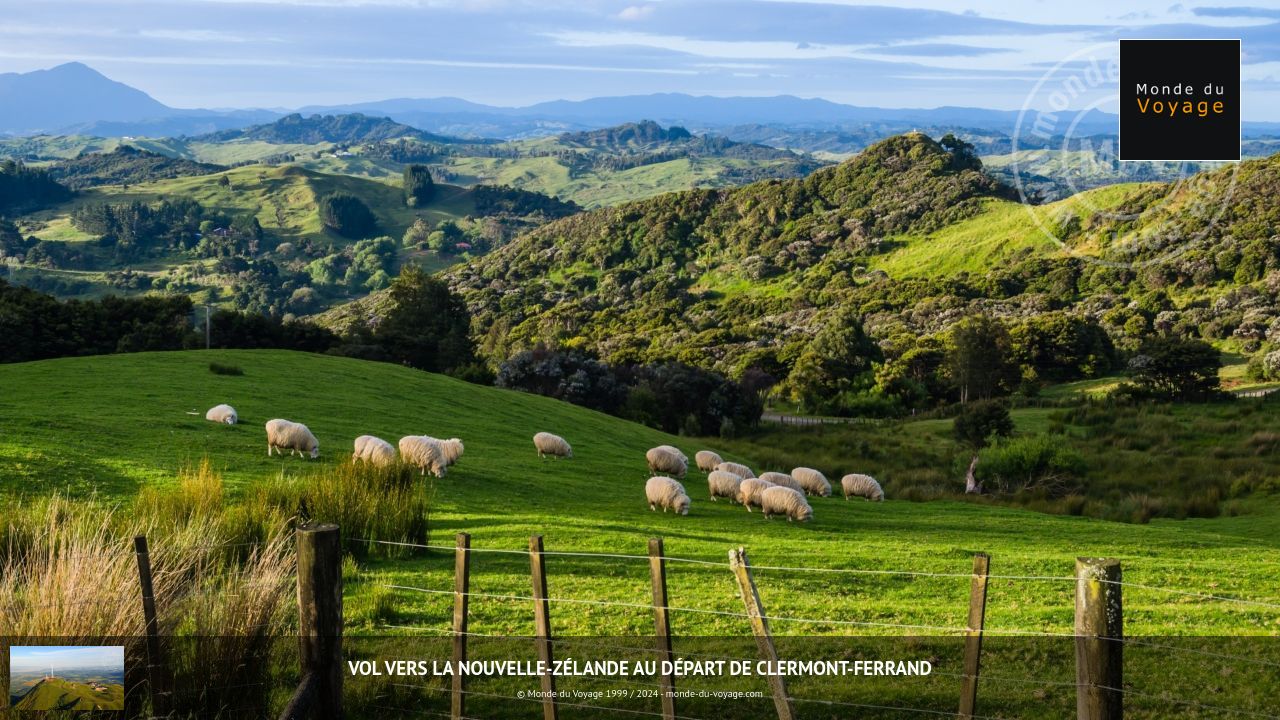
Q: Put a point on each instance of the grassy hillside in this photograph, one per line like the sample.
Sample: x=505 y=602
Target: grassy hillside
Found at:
x=131 y=427
x=59 y=694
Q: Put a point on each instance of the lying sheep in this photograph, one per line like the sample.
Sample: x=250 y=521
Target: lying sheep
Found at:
x=295 y=437
x=785 y=501
x=863 y=486
x=783 y=479
x=707 y=460
x=668 y=494
x=552 y=445
x=424 y=453
x=738 y=469
x=373 y=450
x=723 y=484
x=222 y=414
x=666 y=459
x=749 y=491
x=452 y=450
x=813 y=482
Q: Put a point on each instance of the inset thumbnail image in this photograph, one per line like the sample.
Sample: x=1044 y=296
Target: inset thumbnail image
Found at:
x=66 y=677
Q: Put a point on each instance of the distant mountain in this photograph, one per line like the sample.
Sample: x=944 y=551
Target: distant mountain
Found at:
x=348 y=128
x=185 y=123
x=67 y=95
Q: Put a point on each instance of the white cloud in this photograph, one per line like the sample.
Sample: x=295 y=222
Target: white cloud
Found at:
x=635 y=12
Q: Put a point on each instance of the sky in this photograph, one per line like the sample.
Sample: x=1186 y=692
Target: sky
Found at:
x=28 y=658
x=900 y=53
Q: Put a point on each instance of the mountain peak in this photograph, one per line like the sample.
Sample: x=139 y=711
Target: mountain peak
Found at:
x=69 y=94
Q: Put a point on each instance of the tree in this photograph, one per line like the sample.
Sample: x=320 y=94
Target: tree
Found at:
x=418 y=186
x=839 y=353
x=1174 y=368
x=427 y=326
x=980 y=358
x=347 y=215
x=974 y=427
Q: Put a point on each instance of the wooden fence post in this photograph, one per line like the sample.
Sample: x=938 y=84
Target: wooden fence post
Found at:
x=1099 y=640
x=973 y=635
x=461 y=586
x=542 y=627
x=155 y=662
x=662 y=625
x=760 y=627
x=320 y=616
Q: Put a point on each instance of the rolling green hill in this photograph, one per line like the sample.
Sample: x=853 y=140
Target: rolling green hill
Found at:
x=59 y=694
x=141 y=419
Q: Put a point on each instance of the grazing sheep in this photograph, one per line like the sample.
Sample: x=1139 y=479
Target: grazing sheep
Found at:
x=666 y=459
x=552 y=445
x=373 y=450
x=749 y=492
x=813 y=482
x=295 y=437
x=668 y=494
x=783 y=479
x=222 y=414
x=785 y=501
x=452 y=450
x=424 y=453
x=738 y=469
x=707 y=460
x=723 y=484
x=863 y=486
x=677 y=451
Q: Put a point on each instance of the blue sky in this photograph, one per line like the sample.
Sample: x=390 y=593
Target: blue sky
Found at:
x=28 y=658
x=909 y=53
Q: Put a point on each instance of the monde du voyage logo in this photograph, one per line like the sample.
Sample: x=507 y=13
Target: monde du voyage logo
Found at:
x=1179 y=100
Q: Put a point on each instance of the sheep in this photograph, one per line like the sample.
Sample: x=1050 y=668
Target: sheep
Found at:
x=295 y=437
x=785 y=501
x=552 y=445
x=424 y=453
x=663 y=459
x=738 y=469
x=222 y=414
x=676 y=451
x=783 y=479
x=749 y=491
x=813 y=482
x=723 y=484
x=666 y=493
x=373 y=450
x=707 y=460
x=863 y=486
x=452 y=450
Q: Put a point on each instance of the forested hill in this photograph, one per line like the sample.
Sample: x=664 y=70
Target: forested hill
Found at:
x=127 y=165
x=902 y=242
x=349 y=128
x=658 y=143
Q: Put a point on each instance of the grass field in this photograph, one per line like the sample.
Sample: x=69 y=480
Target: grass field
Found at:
x=106 y=429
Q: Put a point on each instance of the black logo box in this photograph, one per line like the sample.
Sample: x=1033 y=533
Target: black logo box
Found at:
x=1180 y=65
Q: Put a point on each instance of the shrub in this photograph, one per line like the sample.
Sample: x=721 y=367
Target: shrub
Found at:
x=1033 y=463
x=347 y=215
x=220 y=369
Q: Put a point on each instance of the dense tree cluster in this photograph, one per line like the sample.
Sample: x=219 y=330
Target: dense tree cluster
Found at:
x=418 y=186
x=24 y=189
x=126 y=165
x=347 y=215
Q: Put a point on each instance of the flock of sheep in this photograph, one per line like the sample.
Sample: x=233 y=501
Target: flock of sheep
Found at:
x=775 y=493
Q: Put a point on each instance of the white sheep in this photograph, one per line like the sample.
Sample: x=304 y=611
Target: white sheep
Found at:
x=723 y=484
x=424 y=453
x=738 y=469
x=373 y=450
x=749 y=491
x=707 y=460
x=222 y=414
x=666 y=459
x=813 y=482
x=863 y=486
x=295 y=437
x=783 y=479
x=677 y=451
x=452 y=450
x=553 y=445
x=785 y=501
x=666 y=493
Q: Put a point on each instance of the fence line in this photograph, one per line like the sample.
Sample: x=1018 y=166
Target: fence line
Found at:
x=900 y=708
x=549 y=553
